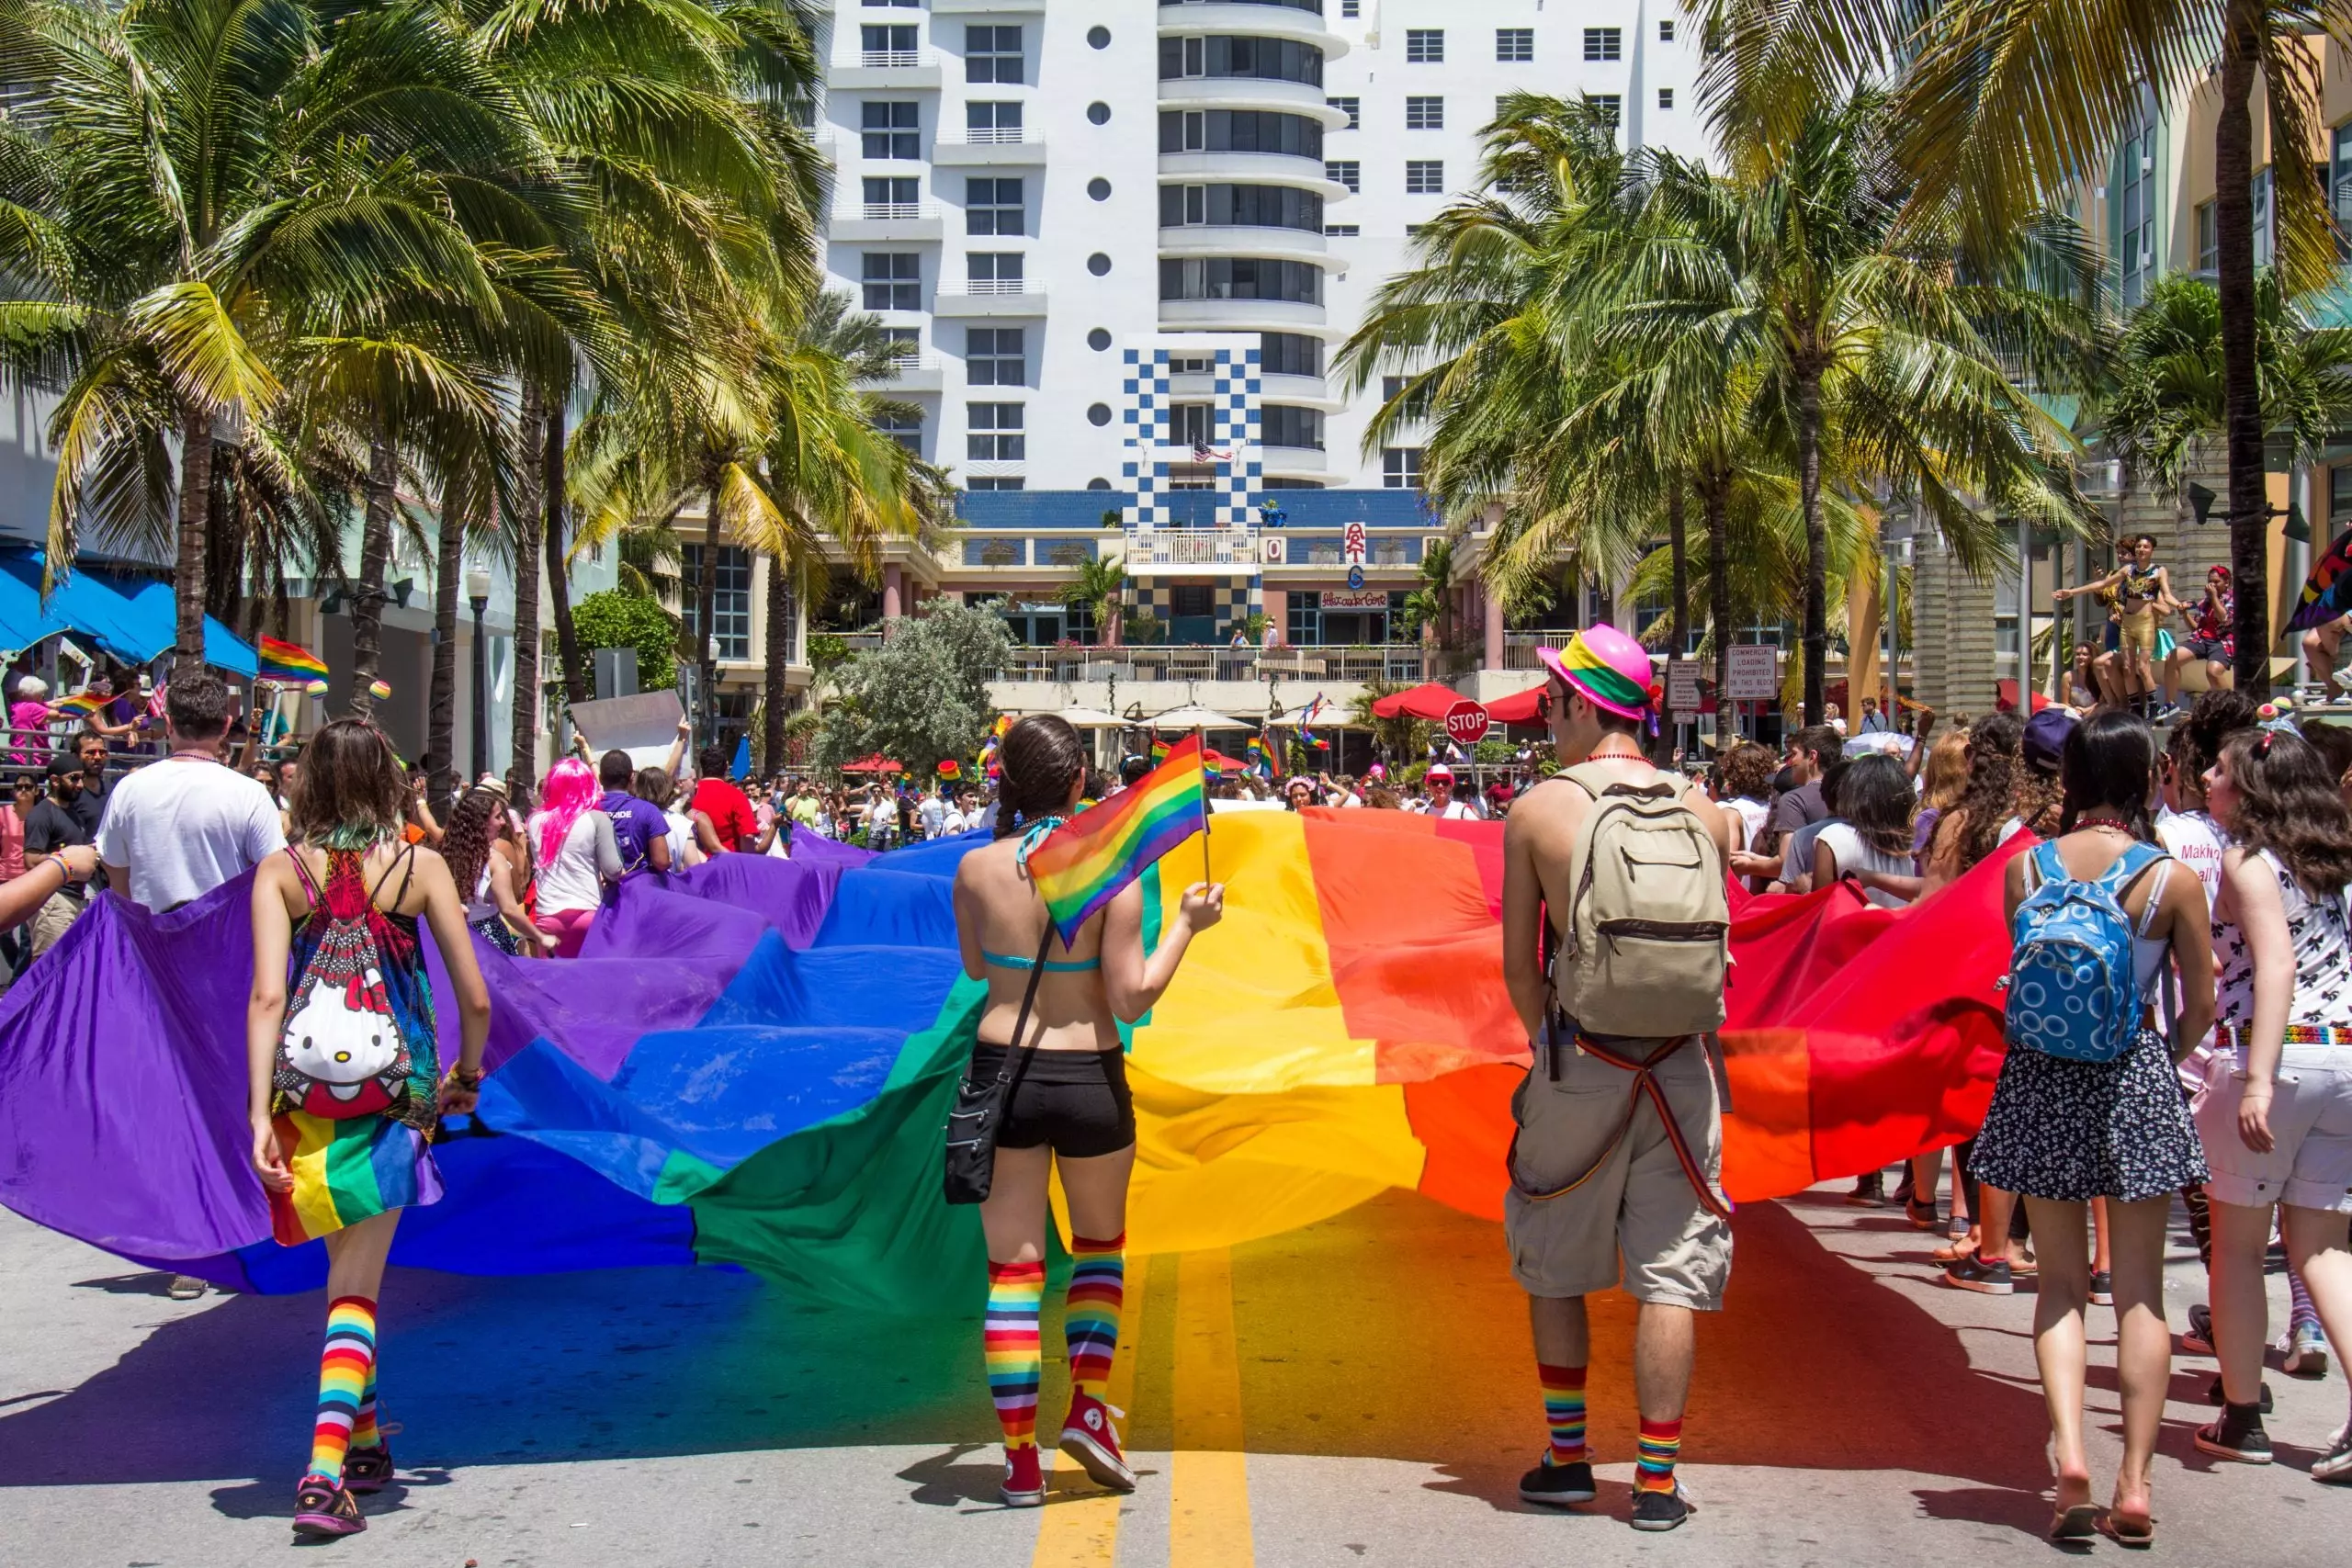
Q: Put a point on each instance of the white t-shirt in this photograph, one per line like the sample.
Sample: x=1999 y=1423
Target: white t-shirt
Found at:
x=1456 y=811
x=2195 y=839
x=1752 y=813
x=568 y=881
x=185 y=826
x=1850 y=852
x=932 y=814
x=680 y=836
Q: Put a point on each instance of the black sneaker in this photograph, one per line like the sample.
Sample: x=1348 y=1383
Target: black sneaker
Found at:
x=2102 y=1288
x=2238 y=1436
x=1869 y=1192
x=323 y=1509
x=1557 y=1486
x=2215 y=1398
x=368 y=1469
x=1972 y=1273
x=1662 y=1510
x=2198 y=1339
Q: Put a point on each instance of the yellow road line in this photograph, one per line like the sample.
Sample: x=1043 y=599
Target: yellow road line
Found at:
x=1083 y=1531
x=1208 y=1487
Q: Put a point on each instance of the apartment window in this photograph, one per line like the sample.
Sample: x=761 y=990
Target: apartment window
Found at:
x=1416 y=406
x=1282 y=425
x=893 y=197
x=1192 y=364
x=1350 y=9
x=1192 y=598
x=2209 y=238
x=1666 y=98
x=1425 y=177
x=891 y=130
x=1243 y=207
x=2339 y=496
x=887 y=46
x=905 y=345
x=996 y=356
x=2339 y=187
x=1345 y=172
x=991 y=122
x=893 y=280
x=1240 y=130
x=992 y=434
x=1425 y=114
x=1413 y=231
x=999 y=481
x=730 y=612
x=1191 y=424
x=993 y=272
x=1515 y=45
x=2136 y=187
x=1612 y=106
x=1425 y=45
x=992 y=206
x=1604 y=43
x=1262 y=59
x=1342 y=231
x=1666 y=31
x=1290 y=354
x=1352 y=108
x=2264 y=248
x=991 y=55
x=1240 y=277
x=889 y=4
x=902 y=425
x=1401 y=467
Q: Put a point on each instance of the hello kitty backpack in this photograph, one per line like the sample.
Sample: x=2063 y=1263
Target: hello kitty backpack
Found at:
x=341 y=1052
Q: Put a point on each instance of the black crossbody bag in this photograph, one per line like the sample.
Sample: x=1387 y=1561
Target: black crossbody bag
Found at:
x=980 y=1104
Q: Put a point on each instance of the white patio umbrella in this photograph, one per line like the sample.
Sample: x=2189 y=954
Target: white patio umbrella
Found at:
x=1192 y=715
x=1091 y=718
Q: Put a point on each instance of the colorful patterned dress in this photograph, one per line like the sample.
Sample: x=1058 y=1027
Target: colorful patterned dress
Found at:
x=355 y=1167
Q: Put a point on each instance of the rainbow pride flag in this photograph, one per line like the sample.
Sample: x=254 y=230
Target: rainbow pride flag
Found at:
x=82 y=705
x=290 y=663
x=1084 y=863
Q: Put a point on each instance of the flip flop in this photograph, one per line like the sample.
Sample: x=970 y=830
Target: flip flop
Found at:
x=2077 y=1523
x=2138 y=1538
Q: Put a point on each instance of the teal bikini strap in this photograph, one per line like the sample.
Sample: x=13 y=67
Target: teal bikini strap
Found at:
x=1052 y=966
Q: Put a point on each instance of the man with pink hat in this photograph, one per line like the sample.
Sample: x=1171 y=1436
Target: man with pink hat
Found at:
x=1621 y=869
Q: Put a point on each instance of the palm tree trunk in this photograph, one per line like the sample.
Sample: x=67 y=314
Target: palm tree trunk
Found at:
x=523 y=771
x=706 y=654
x=775 y=694
x=196 y=509
x=2241 y=397
x=224 y=545
x=1816 y=542
x=441 y=704
x=1678 y=542
x=567 y=636
x=375 y=553
x=1715 y=499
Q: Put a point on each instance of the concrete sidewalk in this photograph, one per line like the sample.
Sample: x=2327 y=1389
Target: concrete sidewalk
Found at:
x=1357 y=1393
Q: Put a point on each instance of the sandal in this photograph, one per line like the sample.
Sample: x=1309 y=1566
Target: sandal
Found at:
x=2077 y=1523
x=1953 y=1251
x=2137 y=1534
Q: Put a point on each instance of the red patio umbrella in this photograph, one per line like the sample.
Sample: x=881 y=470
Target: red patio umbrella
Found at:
x=876 y=763
x=1430 y=700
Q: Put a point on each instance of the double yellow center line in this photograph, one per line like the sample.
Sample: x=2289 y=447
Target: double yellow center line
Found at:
x=1208 y=1478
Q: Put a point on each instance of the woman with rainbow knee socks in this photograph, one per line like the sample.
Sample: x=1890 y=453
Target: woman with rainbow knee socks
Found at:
x=345 y=1087
x=1069 y=1104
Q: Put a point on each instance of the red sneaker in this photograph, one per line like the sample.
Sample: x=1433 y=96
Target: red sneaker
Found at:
x=1088 y=1437
x=1024 y=1480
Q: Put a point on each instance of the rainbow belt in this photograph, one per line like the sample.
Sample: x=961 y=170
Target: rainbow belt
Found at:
x=2228 y=1036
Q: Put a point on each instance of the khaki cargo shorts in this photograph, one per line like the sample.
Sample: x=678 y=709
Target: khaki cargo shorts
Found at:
x=1639 y=1203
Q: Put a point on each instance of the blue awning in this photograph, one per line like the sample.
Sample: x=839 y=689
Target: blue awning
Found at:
x=23 y=622
x=132 y=618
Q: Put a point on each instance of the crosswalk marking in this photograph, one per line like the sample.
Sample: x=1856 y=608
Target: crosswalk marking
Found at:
x=1083 y=1531
x=1208 y=1486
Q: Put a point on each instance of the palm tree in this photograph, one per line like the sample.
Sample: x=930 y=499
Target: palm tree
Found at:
x=2002 y=107
x=1098 y=582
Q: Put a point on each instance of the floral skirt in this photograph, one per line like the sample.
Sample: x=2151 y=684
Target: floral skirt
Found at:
x=2070 y=1132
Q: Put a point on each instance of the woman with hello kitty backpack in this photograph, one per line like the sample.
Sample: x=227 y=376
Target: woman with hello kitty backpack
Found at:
x=345 y=1088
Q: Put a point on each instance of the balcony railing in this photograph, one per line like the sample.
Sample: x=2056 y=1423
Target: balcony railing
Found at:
x=995 y=285
x=987 y=136
x=896 y=212
x=890 y=59
x=1227 y=545
x=1393 y=662
x=1519 y=647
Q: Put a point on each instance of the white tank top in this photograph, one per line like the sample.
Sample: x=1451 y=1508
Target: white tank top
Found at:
x=2323 y=978
x=568 y=882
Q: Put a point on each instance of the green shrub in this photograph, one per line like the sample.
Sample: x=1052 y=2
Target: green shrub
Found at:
x=615 y=619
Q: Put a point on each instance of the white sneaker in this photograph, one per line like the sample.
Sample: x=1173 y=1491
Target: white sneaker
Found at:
x=2306 y=1351
x=2336 y=1463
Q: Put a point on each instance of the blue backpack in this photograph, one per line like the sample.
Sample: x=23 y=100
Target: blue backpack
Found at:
x=2074 y=990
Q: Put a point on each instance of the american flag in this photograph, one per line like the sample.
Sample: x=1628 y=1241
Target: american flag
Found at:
x=1203 y=453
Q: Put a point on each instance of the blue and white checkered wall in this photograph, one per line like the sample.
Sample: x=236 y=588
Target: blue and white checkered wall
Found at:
x=1233 y=403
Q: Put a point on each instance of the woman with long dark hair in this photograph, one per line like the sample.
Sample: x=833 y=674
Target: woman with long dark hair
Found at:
x=2061 y=1132
x=1070 y=1108
x=1872 y=831
x=488 y=868
x=338 y=975
x=1972 y=829
x=2277 y=1107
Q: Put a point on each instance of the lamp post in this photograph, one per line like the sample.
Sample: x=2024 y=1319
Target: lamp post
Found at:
x=478 y=591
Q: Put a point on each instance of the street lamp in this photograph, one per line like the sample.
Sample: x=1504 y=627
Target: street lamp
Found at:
x=478 y=591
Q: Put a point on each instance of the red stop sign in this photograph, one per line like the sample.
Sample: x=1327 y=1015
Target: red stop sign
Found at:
x=1466 y=723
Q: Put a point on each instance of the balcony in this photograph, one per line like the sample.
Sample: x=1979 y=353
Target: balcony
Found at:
x=983 y=146
x=984 y=298
x=1519 y=647
x=1294 y=170
x=1250 y=92
x=911 y=372
x=1304 y=462
x=914 y=221
x=1213 y=240
x=894 y=70
x=1398 y=664
x=1153 y=550
x=984 y=8
x=1252 y=21
x=1241 y=316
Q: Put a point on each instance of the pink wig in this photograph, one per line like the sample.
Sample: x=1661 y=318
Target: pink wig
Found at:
x=570 y=790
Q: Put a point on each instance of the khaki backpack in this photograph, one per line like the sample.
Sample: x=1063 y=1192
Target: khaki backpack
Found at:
x=1644 y=933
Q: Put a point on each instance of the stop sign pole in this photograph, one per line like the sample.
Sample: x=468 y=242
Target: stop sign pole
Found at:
x=1466 y=723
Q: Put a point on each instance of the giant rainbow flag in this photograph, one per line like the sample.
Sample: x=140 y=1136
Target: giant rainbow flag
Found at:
x=751 y=1063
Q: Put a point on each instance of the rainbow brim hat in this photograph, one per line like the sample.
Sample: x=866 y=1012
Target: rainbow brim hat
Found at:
x=1608 y=667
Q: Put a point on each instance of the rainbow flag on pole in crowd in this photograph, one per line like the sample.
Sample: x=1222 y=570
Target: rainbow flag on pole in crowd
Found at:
x=1084 y=863
x=290 y=663
x=81 y=705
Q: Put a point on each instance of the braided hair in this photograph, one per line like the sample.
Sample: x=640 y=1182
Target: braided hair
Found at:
x=1041 y=758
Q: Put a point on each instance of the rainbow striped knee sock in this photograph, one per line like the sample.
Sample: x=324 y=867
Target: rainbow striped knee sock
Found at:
x=1098 y=1291
x=365 y=1433
x=1563 y=1411
x=343 y=1379
x=1008 y=1336
x=1661 y=1446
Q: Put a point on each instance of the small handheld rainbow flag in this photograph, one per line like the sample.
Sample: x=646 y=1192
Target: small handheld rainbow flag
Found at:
x=1084 y=863
x=290 y=663
x=81 y=705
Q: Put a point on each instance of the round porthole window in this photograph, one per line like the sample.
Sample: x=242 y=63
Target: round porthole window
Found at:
x=1098 y=415
x=1098 y=484
x=1099 y=113
x=1097 y=340
x=1099 y=188
x=1098 y=38
x=1098 y=263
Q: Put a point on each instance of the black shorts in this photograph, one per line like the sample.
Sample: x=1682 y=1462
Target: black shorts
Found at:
x=2218 y=649
x=1075 y=1102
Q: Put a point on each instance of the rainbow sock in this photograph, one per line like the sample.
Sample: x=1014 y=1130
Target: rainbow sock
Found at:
x=342 y=1377
x=1563 y=1411
x=1098 y=1290
x=1008 y=1336
x=1661 y=1446
x=365 y=1431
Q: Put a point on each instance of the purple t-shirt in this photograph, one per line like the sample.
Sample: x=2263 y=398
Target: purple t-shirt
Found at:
x=636 y=824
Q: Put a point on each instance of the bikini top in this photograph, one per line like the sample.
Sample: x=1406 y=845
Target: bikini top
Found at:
x=1052 y=965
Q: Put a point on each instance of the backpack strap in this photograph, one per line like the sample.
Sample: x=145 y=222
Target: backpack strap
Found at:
x=2044 y=866
x=403 y=862
x=2163 y=869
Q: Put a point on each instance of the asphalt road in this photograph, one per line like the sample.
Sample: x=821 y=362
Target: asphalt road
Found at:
x=1360 y=1392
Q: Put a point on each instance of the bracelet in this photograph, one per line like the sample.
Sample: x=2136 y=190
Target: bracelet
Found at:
x=465 y=1080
